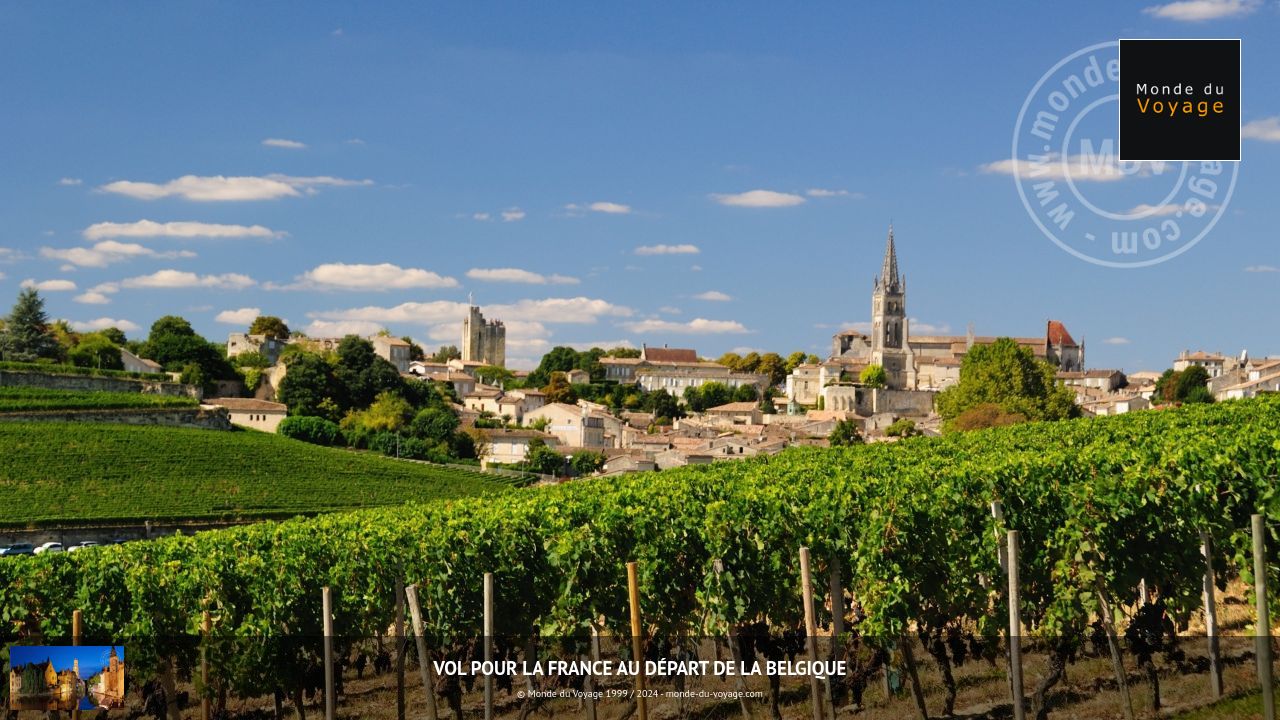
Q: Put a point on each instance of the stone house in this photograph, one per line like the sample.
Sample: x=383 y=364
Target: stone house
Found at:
x=510 y=447
x=257 y=414
x=393 y=350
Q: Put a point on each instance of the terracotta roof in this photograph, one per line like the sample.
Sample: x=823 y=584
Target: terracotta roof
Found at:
x=664 y=354
x=1201 y=355
x=1058 y=334
x=734 y=407
x=247 y=404
x=506 y=433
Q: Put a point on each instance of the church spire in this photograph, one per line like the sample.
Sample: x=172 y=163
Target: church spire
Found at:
x=889 y=279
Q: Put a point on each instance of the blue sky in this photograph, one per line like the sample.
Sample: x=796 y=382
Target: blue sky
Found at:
x=93 y=658
x=583 y=170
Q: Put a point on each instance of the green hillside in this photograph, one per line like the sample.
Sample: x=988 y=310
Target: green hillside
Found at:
x=25 y=399
x=55 y=473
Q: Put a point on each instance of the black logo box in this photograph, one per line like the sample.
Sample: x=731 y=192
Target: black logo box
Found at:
x=1186 y=68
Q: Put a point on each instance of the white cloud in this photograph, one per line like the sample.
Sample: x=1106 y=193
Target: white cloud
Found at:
x=1080 y=168
x=384 y=276
x=512 y=214
x=758 y=199
x=667 y=250
x=1162 y=210
x=713 y=296
x=1197 y=10
x=602 y=344
x=103 y=323
x=1267 y=129
x=915 y=326
x=283 y=143
x=1262 y=269
x=575 y=310
x=2 y=276
x=243 y=316
x=668 y=309
x=354 y=141
x=481 y=216
x=697 y=326
x=150 y=228
x=70 y=181
x=49 y=285
x=516 y=275
x=341 y=328
x=107 y=252
x=611 y=208
x=1116 y=341
x=825 y=193
x=219 y=188
x=92 y=297
x=9 y=255
x=179 y=279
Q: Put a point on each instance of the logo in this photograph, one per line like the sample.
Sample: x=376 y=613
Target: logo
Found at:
x=1067 y=168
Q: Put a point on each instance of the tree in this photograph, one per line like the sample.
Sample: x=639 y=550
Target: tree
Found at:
x=1010 y=377
x=774 y=366
x=493 y=375
x=986 y=415
x=560 y=359
x=65 y=335
x=434 y=423
x=766 y=402
x=96 y=351
x=416 y=353
x=664 y=405
x=388 y=413
x=1193 y=385
x=445 y=354
x=311 y=388
x=314 y=430
x=27 y=336
x=175 y=345
x=873 y=376
x=844 y=434
x=586 y=462
x=543 y=460
x=709 y=395
x=902 y=427
x=115 y=335
x=269 y=325
x=745 y=393
x=558 y=390
x=363 y=373
x=795 y=360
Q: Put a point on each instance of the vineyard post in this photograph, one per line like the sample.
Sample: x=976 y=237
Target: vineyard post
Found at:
x=1015 y=628
x=488 y=645
x=400 y=648
x=424 y=656
x=637 y=640
x=909 y=659
x=1104 y=614
x=1264 y=619
x=1002 y=556
x=1211 y=615
x=836 y=594
x=326 y=607
x=77 y=632
x=739 y=684
x=811 y=633
x=590 y=681
x=206 y=627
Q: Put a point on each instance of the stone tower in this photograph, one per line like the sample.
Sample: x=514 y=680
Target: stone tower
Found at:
x=889 y=347
x=483 y=340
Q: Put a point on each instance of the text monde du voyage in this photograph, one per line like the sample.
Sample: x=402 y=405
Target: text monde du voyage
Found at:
x=652 y=668
x=1181 y=99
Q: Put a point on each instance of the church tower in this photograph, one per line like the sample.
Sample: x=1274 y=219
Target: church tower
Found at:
x=889 y=347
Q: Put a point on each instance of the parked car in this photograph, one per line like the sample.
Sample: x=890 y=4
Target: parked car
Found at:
x=82 y=545
x=18 y=549
x=52 y=547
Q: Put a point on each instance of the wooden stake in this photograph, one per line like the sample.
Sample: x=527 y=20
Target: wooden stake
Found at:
x=591 y=678
x=909 y=659
x=811 y=633
x=400 y=647
x=330 y=700
x=835 y=594
x=739 y=684
x=424 y=655
x=1116 y=663
x=1263 y=630
x=206 y=628
x=1015 y=628
x=1211 y=616
x=77 y=632
x=488 y=644
x=637 y=639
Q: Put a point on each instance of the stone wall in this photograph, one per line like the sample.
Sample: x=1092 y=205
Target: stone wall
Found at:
x=204 y=417
x=89 y=383
x=902 y=402
x=105 y=532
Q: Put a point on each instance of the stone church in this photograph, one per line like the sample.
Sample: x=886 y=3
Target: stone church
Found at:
x=913 y=362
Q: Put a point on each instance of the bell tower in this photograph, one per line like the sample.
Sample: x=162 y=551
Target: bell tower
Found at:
x=889 y=348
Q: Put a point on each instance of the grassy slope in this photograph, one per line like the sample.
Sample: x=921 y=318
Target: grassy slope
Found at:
x=58 y=473
x=24 y=399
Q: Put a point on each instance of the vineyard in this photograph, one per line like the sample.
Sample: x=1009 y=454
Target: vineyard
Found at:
x=1102 y=506
x=76 y=370
x=77 y=473
x=26 y=399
